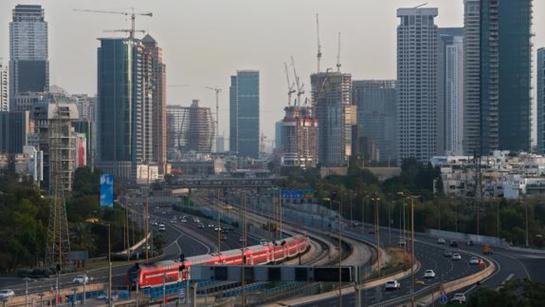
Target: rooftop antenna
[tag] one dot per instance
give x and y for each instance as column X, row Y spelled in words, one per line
column 319, row 45
column 421, row 5
column 339, row 52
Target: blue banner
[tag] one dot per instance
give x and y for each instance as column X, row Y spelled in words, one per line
column 106, row 190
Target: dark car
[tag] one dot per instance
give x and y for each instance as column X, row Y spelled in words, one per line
column 453, row 244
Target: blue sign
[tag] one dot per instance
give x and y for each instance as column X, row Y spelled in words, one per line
column 106, row 190
column 292, row 194
column 443, row 299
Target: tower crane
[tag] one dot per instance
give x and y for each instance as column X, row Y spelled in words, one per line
column 131, row 14
column 291, row 85
column 217, row 91
column 319, row 45
column 339, row 52
column 298, row 82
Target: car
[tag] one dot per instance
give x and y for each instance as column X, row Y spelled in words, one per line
column 459, row 298
column 453, row 244
column 456, row 256
column 447, row 253
column 469, row 243
column 474, row 260
column 402, row 243
column 81, row 279
column 429, row 274
column 441, row 241
column 184, row 221
column 6, row 293
column 211, row 226
column 218, row 229
column 392, row 285
column 162, row 227
column 201, row 226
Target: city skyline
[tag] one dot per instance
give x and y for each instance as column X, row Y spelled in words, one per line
column 203, row 56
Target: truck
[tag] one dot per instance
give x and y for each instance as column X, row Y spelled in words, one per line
column 487, row 250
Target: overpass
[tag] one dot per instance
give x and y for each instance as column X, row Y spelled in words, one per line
column 224, row 182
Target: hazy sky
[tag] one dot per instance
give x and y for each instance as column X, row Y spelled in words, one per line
column 205, row 41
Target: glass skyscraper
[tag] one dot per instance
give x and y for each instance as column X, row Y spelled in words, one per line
column 541, row 100
column 244, row 113
column 29, row 64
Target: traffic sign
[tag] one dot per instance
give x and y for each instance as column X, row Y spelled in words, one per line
column 443, row 299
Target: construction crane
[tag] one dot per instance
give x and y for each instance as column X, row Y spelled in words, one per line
column 319, row 45
column 339, row 52
column 290, row 84
column 300, row 85
column 131, row 14
column 421, row 5
column 217, row 91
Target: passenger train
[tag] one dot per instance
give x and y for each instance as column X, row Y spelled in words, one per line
column 154, row 274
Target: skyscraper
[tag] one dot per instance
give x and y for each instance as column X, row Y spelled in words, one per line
column 497, row 75
column 376, row 102
column 417, row 83
column 450, row 109
column 200, row 134
column 125, row 112
column 15, row 128
column 244, row 113
column 159, row 105
column 29, row 64
column 336, row 116
column 298, row 137
column 4, row 102
column 541, row 100
column 515, row 20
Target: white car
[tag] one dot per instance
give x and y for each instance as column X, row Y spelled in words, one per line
column 441, row 241
column 6, row 293
column 392, row 285
column 81, row 279
column 459, row 298
column 429, row 274
column 162, row 227
column 474, row 260
column 456, row 256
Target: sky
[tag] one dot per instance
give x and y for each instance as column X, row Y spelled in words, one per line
column 206, row 41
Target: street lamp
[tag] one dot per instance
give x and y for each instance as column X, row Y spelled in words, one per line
column 411, row 203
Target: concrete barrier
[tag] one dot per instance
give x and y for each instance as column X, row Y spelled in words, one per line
column 48, row 295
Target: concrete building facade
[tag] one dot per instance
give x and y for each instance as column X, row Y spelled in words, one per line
column 417, row 39
column 298, row 137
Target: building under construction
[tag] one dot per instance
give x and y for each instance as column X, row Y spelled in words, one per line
column 336, row 116
column 189, row 129
column 299, row 131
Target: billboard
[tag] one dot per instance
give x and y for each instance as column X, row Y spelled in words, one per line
column 106, row 190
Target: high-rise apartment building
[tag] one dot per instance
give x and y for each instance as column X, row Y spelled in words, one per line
column 450, row 102
column 336, row 116
column 376, row 102
column 497, row 75
column 28, row 50
column 541, row 100
column 159, row 102
column 298, row 137
column 124, row 106
column 244, row 113
column 417, row 39
column 4, row 102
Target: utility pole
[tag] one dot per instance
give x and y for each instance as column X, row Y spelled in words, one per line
column 412, row 251
column 109, row 268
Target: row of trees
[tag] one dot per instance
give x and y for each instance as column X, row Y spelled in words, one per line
column 24, row 217
column 360, row 191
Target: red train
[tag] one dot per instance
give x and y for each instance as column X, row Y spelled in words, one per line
column 148, row 275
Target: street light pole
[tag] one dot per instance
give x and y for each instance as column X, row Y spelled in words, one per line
column 340, row 251
column 526, row 214
column 109, row 268
column 412, row 252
